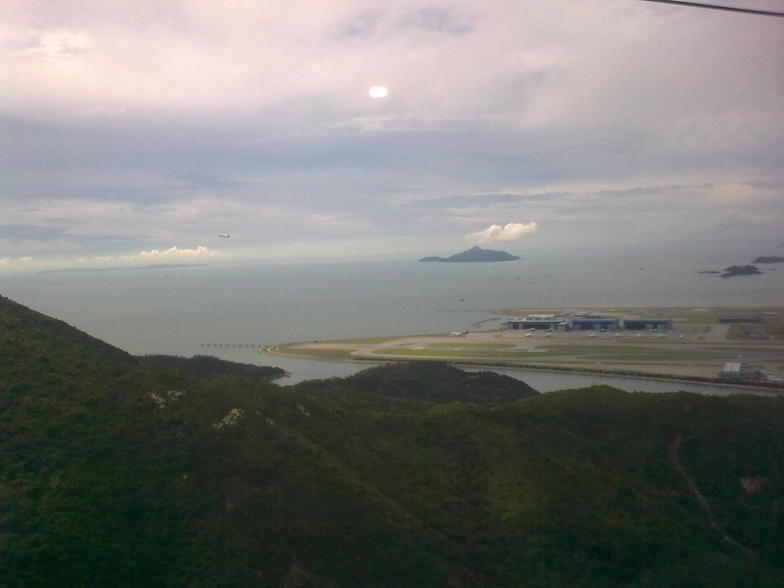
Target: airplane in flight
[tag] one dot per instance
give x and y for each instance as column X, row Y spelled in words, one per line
column 224, row 236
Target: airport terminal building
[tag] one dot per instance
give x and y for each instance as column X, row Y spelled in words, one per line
column 595, row 323
column 554, row 322
column 537, row 321
column 651, row 324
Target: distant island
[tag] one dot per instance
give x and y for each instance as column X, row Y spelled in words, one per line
column 473, row 255
column 769, row 259
column 740, row 270
column 745, row 270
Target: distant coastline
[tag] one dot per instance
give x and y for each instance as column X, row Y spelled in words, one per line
column 769, row 259
column 747, row 269
column 691, row 345
column 773, row 388
column 156, row 266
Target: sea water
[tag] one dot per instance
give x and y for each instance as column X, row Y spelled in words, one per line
column 190, row 310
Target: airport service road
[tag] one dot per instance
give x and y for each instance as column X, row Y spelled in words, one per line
column 691, row 352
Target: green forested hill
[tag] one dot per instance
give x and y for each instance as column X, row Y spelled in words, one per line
column 113, row 473
column 204, row 365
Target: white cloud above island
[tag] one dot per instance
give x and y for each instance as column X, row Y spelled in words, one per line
column 503, row 234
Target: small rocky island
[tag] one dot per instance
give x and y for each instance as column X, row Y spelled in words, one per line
column 740, row 270
column 769, row 259
column 475, row 254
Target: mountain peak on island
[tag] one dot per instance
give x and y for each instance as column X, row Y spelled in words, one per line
column 475, row 254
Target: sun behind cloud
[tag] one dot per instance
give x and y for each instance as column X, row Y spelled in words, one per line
column 378, row 91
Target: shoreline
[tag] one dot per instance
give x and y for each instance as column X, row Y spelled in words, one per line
column 771, row 387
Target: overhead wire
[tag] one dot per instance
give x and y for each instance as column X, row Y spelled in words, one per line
column 720, row 7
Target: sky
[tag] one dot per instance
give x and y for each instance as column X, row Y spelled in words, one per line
column 136, row 132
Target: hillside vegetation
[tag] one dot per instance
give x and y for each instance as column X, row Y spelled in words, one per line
column 205, row 365
column 116, row 473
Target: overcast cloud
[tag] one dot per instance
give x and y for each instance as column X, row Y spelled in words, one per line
column 153, row 126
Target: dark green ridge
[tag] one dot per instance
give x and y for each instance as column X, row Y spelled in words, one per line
column 205, row 365
column 114, row 473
